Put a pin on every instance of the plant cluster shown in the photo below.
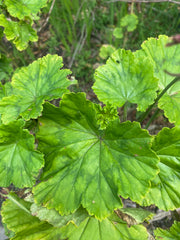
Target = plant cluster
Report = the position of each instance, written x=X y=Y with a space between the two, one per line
x=86 y=159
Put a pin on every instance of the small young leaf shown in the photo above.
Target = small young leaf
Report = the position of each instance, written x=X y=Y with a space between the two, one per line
x=118 y=32
x=164 y=191
x=124 y=78
x=42 y=80
x=130 y=21
x=172 y=234
x=88 y=166
x=20 y=163
x=106 y=51
x=19 y=32
x=23 y=8
x=139 y=214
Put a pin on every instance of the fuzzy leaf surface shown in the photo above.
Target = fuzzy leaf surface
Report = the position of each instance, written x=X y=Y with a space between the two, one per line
x=172 y=234
x=17 y=216
x=165 y=58
x=20 y=163
x=88 y=166
x=124 y=78
x=42 y=80
x=93 y=229
x=24 y=8
x=164 y=191
x=18 y=32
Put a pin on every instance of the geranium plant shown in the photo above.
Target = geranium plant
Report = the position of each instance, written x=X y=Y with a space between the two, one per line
x=78 y=160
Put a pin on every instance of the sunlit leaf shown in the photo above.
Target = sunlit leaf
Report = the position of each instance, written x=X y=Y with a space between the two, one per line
x=19 y=162
x=118 y=32
x=164 y=191
x=165 y=58
x=88 y=166
x=124 y=78
x=106 y=50
x=23 y=8
x=18 y=32
x=42 y=80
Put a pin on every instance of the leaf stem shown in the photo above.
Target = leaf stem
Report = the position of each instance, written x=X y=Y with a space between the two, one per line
x=144 y=115
x=152 y=118
x=125 y=112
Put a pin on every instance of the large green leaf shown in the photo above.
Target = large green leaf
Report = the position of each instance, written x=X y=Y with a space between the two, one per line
x=165 y=58
x=17 y=216
x=124 y=78
x=19 y=162
x=23 y=8
x=19 y=32
x=88 y=166
x=93 y=229
x=164 y=191
x=172 y=234
x=42 y=80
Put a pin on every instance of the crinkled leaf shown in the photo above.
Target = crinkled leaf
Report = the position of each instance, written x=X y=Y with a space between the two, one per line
x=90 y=166
x=17 y=216
x=19 y=32
x=165 y=58
x=164 y=191
x=118 y=32
x=23 y=8
x=42 y=80
x=124 y=78
x=172 y=234
x=53 y=217
x=130 y=21
x=106 y=51
x=93 y=229
x=20 y=163
x=105 y=115
x=139 y=214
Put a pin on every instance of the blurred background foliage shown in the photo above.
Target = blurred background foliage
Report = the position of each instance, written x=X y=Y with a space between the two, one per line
x=79 y=30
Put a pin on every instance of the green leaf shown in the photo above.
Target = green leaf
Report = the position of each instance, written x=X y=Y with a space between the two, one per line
x=16 y=214
x=88 y=166
x=164 y=191
x=165 y=58
x=20 y=163
x=130 y=21
x=42 y=80
x=93 y=229
x=172 y=234
x=23 y=8
x=118 y=32
x=19 y=32
x=106 y=50
x=105 y=115
x=126 y=78
x=5 y=68
x=53 y=217
x=139 y=214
